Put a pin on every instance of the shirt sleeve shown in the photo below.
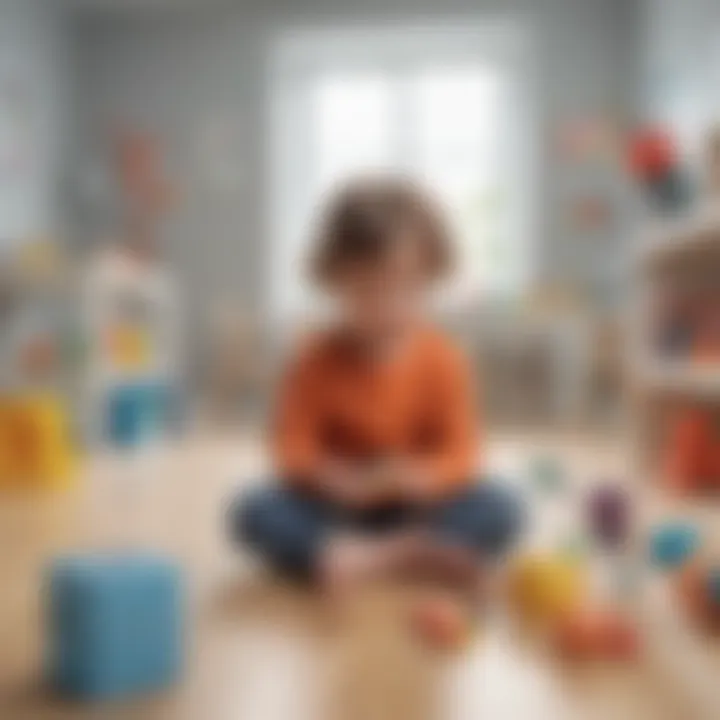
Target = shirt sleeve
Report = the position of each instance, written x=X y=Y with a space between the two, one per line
x=453 y=459
x=295 y=434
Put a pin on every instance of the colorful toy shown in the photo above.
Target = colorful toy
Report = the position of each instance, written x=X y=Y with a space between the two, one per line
x=544 y=588
x=35 y=444
x=115 y=625
x=673 y=544
x=129 y=347
x=654 y=160
x=548 y=474
x=442 y=623
x=138 y=412
x=689 y=462
x=597 y=634
x=574 y=548
x=609 y=515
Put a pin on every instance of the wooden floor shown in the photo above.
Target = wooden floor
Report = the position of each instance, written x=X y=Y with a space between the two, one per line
x=262 y=650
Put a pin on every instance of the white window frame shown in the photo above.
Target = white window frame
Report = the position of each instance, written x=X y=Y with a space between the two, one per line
x=299 y=55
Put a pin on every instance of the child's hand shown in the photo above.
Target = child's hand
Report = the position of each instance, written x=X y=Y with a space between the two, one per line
x=412 y=483
x=399 y=480
x=350 y=485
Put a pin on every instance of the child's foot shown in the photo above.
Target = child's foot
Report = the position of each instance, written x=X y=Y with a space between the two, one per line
x=443 y=621
x=452 y=567
x=349 y=561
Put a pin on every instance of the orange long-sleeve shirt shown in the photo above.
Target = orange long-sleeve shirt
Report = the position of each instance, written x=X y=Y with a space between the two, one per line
x=417 y=403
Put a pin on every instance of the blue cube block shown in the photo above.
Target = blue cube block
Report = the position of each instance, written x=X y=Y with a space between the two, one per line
x=672 y=544
x=115 y=625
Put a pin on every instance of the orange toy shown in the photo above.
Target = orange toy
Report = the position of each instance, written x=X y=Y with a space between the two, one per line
x=597 y=634
x=442 y=622
x=652 y=153
x=690 y=462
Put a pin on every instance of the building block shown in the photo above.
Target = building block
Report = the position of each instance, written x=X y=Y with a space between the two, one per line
x=138 y=412
x=673 y=544
x=115 y=625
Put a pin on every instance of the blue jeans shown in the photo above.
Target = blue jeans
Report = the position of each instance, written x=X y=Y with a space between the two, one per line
x=287 y=526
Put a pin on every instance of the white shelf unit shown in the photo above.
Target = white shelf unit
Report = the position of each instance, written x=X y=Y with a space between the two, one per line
x=675 y=250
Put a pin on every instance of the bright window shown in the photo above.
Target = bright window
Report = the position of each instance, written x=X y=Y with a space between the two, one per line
x=434 y=106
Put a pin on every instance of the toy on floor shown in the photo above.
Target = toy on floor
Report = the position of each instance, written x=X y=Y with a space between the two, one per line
x=548 y=474
x=115 y=625
x=597 y=634
x=545 y=587
x=575 y=548
x=693 y=596
x=609 y=516
x=697 y=588
x=671 y=545
x=442 y=622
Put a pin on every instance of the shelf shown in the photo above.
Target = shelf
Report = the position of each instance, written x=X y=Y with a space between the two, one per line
x=681 y=378
x=684 y=241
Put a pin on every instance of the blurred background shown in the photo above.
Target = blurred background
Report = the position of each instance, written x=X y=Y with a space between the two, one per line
x=526 y=118
x=161 y=162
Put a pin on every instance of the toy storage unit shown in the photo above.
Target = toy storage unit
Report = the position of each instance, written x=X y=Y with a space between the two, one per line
x=675 y=342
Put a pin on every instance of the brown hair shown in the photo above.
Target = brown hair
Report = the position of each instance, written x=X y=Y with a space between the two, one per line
x=367 y=215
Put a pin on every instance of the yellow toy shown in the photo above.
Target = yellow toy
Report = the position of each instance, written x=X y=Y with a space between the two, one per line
x=35 y=447
x=129 y=346
x=546 y=587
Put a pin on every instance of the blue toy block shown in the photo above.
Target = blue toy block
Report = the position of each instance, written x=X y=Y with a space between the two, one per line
x=673 y=544
x=115 y=625
x=140 y=411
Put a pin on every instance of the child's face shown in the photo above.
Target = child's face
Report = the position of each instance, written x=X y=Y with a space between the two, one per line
x=382 y=299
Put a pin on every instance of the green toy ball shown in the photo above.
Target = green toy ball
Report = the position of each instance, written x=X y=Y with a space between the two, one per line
x=576 y=548
x=548 y=474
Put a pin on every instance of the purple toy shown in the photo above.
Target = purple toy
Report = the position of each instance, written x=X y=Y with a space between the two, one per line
x=609 y=515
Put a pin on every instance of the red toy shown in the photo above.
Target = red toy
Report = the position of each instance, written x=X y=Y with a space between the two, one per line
x=690 y=463
x=652 y=153
x=597 y=634
x=441 y=622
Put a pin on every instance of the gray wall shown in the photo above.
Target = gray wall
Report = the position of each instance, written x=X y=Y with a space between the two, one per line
x=681 y=65
x=170 y=71
x=35 y=60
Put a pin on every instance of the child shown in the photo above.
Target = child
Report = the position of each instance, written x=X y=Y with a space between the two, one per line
x=375 y=437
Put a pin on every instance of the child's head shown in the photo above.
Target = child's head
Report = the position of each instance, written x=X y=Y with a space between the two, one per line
x=382 y=244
